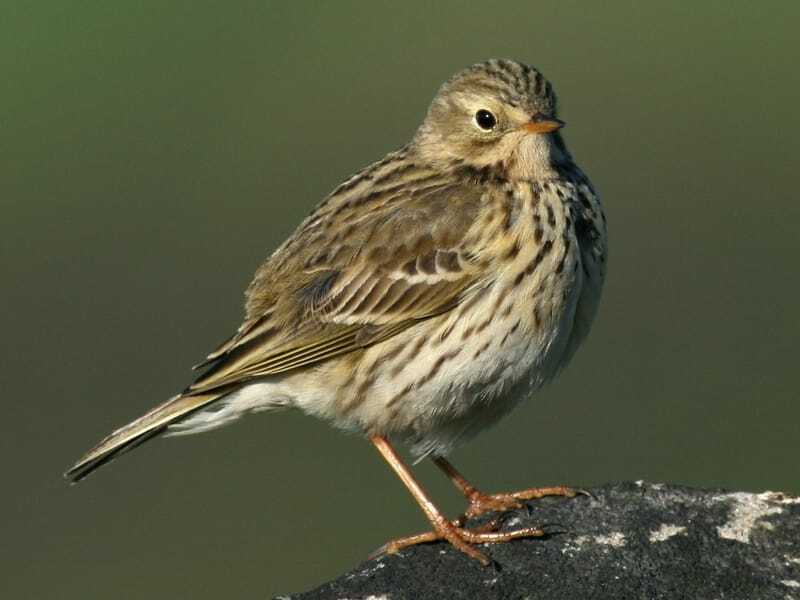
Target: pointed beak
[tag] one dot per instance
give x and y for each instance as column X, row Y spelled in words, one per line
column 543, row 125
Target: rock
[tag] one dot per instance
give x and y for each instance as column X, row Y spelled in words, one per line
column 628, row 540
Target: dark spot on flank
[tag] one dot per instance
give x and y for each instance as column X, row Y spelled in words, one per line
column 438, row 365
column 497, row 302
column 416, row 348
column 482, row 349
column 397, row 397
column 510, row 332
column 484, row 325
column 359, row 397
column 388, row 356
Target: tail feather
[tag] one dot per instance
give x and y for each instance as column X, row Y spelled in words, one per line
column 137, row 432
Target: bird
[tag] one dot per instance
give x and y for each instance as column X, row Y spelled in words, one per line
column 420, row 301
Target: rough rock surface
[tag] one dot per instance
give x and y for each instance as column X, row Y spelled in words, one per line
column 628, row 540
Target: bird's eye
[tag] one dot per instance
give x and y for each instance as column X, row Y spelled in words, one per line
column 485, row 120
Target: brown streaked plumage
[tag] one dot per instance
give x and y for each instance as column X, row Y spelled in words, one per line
column 423, row 298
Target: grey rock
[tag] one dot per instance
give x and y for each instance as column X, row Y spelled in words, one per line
column 627, row 540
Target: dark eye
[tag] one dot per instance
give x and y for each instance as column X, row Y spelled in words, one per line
column 485, row 119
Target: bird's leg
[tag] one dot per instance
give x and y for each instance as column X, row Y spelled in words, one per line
column 480, row 503
column 452, row 531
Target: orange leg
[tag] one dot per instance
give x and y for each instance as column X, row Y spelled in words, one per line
column 452, row 531
column 480, row 503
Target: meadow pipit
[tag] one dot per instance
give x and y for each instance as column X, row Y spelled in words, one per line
column 423, row 298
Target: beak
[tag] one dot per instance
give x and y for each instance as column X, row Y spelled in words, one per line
column 541, row 124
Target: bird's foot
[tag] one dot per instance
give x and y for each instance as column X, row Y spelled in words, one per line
column 461, row 537
column 480, row 503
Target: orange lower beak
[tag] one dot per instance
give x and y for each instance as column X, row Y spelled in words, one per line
column 543, row 126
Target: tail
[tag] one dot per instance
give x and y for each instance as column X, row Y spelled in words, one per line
column 138, row 432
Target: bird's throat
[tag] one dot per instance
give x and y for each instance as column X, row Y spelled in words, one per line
column 535, row 157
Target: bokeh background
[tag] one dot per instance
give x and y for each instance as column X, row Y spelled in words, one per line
column 153, row 153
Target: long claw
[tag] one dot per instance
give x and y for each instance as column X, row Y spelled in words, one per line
column 483, row 534
column 480, row 503
column 394, row 546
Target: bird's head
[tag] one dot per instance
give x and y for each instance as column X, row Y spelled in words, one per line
column 498, row 114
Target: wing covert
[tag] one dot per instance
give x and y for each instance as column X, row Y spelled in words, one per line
column 347, row 280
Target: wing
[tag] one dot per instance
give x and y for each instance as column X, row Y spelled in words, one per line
column 362, row 268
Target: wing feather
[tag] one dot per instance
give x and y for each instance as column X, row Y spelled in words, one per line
column 346, row 281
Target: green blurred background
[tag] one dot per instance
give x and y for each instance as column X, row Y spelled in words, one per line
column 153, row 153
